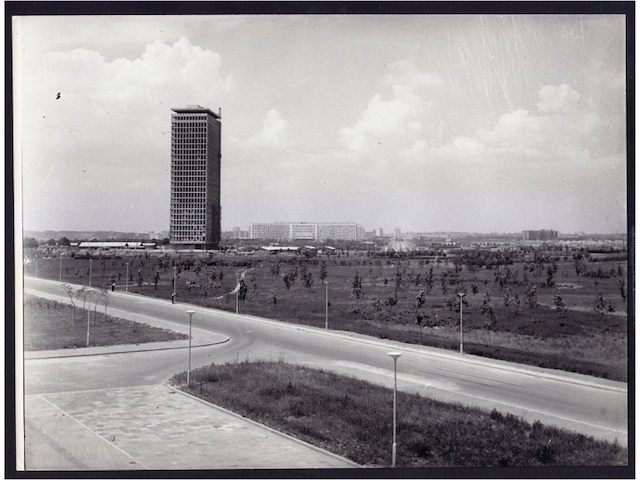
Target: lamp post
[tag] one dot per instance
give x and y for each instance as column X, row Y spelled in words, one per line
column 395, row 356
column 88, row 317
column 461, row 295
column 90, row 262
column 190, row 313
column 326, row 311
column 60, row 256
column 36, row 265
column 126, row 280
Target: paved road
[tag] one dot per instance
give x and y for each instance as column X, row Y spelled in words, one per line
column 584, row 404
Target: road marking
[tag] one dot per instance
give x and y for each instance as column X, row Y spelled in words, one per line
column 541, row 412
column 527, row 390
column 425, row 383
column 96, row 434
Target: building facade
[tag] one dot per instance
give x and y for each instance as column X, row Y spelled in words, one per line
column 270, row 231
column 195, row 178
column 540, row 235
column 320, row 231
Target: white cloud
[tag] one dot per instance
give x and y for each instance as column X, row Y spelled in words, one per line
column 560, row 98
column 274, row 133
column 393, row 119
column 462, row 148
column 561, row 130
column 179, row 73
column 418, row 148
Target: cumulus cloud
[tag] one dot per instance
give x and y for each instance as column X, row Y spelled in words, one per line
column 462, row 147
column 178, row 73
column 109, row 114
column 560, row 130
column 274, row 133
column 398, row 116
column 560, row 98
column 418, row 148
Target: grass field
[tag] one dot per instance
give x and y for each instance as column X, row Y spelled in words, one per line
column 547, row 308
column 353, row 418
column 50, row 325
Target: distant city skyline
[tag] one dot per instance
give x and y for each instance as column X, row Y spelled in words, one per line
column 426, row 123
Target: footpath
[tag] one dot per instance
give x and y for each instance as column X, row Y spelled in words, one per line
column 155, row 427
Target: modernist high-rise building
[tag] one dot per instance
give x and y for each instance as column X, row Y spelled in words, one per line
column 195, row 178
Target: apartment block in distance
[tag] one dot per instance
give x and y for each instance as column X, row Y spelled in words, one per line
column 540, row 235
column 195, row 178
column 320, row 231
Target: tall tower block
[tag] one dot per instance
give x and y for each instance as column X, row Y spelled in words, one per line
column 195, row 178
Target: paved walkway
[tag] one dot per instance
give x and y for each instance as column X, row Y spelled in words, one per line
column 154, row 427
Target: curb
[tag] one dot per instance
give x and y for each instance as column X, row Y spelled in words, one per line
column 266, row 427
column 93, row 354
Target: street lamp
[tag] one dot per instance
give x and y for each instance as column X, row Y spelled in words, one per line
column 90, row 261
column 395, row 356
column 60, row 255
column 126, row 280
column 326, row 312
column 190, row 313
column 89, row 292
column 461, row 295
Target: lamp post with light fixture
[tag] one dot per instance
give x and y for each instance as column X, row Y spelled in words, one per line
column 461, row 295
column 395, row 356
column 326, row 311
column 190, row 313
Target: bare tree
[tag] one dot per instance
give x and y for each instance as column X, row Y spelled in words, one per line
column 87, row 294
column 106, row 297
column 69, row 290
column 83, row 293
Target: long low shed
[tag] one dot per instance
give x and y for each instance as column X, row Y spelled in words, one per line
column 108, row 245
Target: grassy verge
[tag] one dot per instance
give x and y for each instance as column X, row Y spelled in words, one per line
column 352, row 418
column 50, row 325
column 565, row 353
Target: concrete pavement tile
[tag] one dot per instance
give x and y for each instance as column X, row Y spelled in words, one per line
column 161, row 429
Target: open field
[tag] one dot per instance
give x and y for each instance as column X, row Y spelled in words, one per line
column 50, row 325
column 547, row 307
column 353, row 418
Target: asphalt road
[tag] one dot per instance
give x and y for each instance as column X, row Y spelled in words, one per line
column 584, row 404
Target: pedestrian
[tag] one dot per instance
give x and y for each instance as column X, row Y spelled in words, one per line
column 113, row 287
column 173, row 298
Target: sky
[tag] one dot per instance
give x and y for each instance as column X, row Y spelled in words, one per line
column 421, row 122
